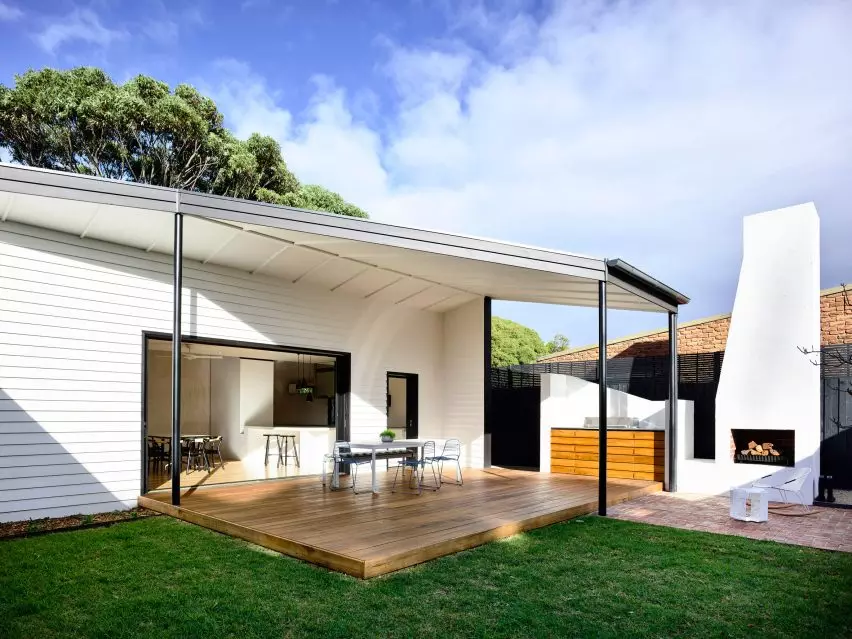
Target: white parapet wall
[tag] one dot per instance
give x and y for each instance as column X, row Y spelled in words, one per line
column 567, row 401
column 766, row 382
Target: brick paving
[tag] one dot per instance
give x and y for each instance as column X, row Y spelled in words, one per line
column 829, row 528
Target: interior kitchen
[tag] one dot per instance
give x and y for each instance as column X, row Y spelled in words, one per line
column 246, row 413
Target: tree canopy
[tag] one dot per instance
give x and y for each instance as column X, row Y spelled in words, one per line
column 513, row 343
column 142, row 131
column 557, row 344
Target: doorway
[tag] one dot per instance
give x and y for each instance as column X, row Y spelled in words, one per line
column 234, row 397
column 402, row 404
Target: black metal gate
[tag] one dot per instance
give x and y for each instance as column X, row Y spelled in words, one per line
column 515, row 418
column 836, row 445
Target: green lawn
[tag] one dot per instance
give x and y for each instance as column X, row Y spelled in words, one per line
column 590, row 577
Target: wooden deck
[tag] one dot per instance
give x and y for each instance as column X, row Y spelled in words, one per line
column 367, row 535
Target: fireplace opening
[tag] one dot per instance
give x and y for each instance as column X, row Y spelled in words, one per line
column 762, row 446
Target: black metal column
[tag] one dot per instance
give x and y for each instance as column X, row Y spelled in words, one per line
column 176, row 344
column 486, row 391
column 671, row 427
column 602, row 408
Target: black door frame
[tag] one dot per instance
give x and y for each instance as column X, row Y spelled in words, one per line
column 342, row 381
column 412, row 401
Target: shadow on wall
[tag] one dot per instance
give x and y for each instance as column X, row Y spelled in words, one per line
column 115, row 293
column 45, row 474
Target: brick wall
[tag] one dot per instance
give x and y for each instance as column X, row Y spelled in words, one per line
column 711, row 334
column 836, row 322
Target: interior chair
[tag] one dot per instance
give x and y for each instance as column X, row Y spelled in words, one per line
column 785, row 481
column 155, row 452
column 213, row 448
column 196, row 456
column 417, row 467
column 451, row 455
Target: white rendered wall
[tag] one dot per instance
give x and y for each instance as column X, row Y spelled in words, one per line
column 464, row 382
column 195, row 395
column 225, row 404
column 72, row 313
column 766, row 383
column 257, row 391
column 566, row 401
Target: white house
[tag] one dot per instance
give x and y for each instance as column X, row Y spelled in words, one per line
column 88, row 269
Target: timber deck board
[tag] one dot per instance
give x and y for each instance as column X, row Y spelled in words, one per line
column 367, row 535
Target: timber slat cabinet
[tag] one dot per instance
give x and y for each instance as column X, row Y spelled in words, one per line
column 631, row 454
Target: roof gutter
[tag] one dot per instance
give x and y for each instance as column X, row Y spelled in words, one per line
column 633, row 275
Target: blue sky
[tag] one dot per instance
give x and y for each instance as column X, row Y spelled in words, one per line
column 644, row 130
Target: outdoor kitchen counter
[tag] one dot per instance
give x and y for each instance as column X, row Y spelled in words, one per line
column 632, row 453
column 630, row 429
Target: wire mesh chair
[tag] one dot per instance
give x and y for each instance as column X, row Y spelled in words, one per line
column 785, row 481
column 418, row 470
column 451, row 454
column 341, row 454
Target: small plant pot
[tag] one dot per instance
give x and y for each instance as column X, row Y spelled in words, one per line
column 386, row 439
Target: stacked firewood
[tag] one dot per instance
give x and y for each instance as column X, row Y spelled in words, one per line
column 760, row 450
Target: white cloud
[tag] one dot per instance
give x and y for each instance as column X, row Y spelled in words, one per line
column 164, row 32
column 329, row 142
column 247, row 100
column 80, row 25
column 644, row 130
column 9, row 13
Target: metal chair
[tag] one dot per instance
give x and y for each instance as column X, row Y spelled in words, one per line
column 196, row 456
column 213, row 448
column 451, row 453
column 418, row 469
column 787, row 480
column 156, row 451
column 341, row 454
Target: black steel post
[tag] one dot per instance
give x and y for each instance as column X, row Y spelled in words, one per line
column 602, row 408
column 671, row 428
column 177, row 285
column 486, row 391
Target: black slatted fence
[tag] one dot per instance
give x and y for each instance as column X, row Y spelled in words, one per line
column 641, row 376
column 836, row 449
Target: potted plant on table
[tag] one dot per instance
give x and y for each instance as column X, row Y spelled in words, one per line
column 387, row 435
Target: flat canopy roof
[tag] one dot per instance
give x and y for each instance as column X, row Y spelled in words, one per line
column 417, row 268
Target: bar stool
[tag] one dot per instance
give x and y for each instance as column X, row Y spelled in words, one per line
column 287, row 454
column 278, row 443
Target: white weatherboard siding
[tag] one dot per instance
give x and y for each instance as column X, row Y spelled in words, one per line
column 72, row 312
column 464, row 381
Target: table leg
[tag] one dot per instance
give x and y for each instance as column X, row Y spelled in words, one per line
column 373, row 468
column 266, row 458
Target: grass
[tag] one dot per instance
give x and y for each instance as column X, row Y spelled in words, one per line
column 590, row 577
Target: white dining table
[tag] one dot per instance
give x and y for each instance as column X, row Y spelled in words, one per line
column 374, row 446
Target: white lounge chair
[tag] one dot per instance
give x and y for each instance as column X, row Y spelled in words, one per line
column 787, row 480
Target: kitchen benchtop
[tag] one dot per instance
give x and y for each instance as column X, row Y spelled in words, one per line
column 614, row 429
column 289, row 426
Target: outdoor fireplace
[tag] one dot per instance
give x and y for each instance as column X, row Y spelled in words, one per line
column 763, row 446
